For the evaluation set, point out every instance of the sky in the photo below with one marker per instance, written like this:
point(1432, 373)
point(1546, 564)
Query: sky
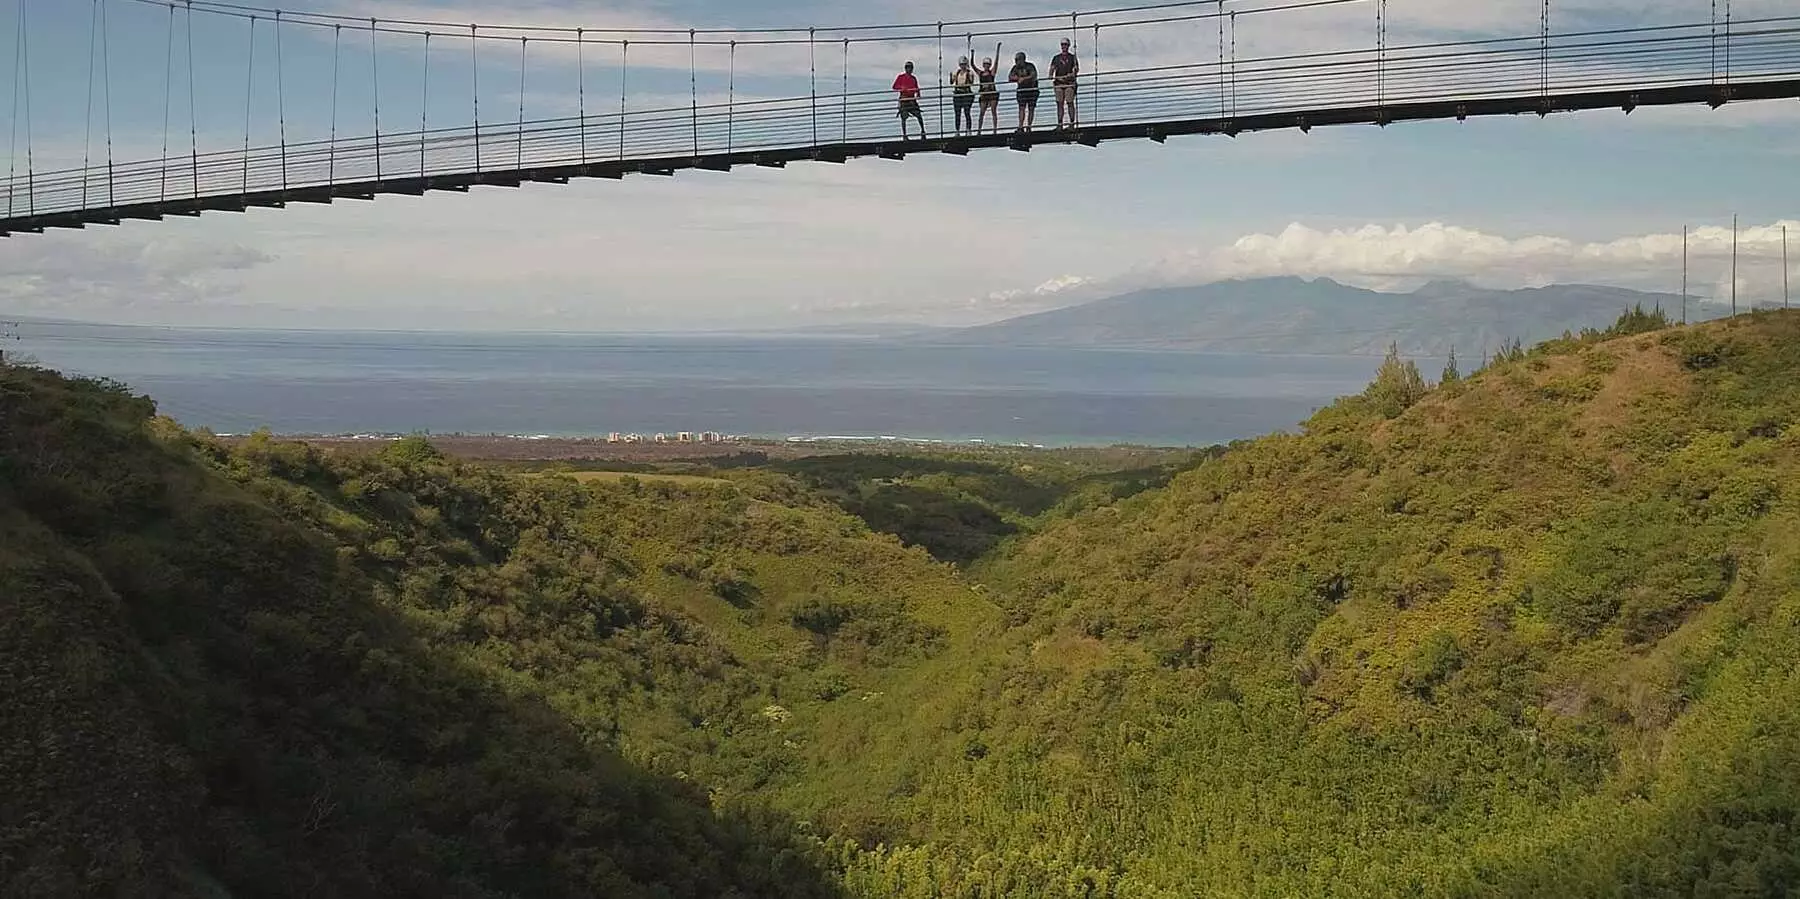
point(1594, 197)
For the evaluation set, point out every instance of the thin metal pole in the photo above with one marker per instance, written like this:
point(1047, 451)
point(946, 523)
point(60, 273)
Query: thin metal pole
point(693, 93)
point(844, 116)
point(193, 110)
point(1544, 50)
point(1381, 53)
point(1784, 269)
point(424, 103)
point(519, 147)
point(475, 90)
point(1095, 115)
point(581, 90)
point(106, 79)
point(1727, 41)
point(25, 81)
point(375, 95)
point(624, 73)
point(337, 34)
point(813, 61)
point(168, 91)
point(731, 99)
point(281, 102)
point(1221, 59)
point(12, 116)
point(1234, 16)
point(940, 79)
point(1734, 261)
point(249, 103)
point(87, 141)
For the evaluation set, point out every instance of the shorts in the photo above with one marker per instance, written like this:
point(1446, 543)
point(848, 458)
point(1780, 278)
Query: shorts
point(1028, 97)
point(964, 101)
point(1065, 93)
point(990, 101)
point(910, 107)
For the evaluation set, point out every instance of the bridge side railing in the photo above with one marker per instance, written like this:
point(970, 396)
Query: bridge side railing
point(1637, 58)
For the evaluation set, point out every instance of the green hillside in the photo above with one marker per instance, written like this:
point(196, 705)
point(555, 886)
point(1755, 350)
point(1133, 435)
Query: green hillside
point(1535, 631)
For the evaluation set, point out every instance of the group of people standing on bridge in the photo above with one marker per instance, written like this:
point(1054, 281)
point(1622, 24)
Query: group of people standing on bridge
point(969, 83)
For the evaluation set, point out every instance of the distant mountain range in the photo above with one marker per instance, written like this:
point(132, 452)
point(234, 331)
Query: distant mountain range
point(1296, 315)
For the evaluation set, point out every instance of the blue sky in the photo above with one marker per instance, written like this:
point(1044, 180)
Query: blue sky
point(1508, 202)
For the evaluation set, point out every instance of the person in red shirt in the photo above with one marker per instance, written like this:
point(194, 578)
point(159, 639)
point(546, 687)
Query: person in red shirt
point(908, 86)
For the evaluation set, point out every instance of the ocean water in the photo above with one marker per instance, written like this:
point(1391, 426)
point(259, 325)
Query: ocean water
point(321, 382)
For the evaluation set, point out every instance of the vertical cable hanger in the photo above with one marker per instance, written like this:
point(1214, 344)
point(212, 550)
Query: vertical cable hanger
point(249, 101)
point(281, 102)
point(940, 79)
point(581, 89)
point(1380, 54)
point(424, 103)
point(168, 85)
point(1544, 50)
point(87, 141)
point(1221, 16)
point(375, 94)
point(1234, 16)
point(1094, 117)
point(475, 91)
point(844, 115)
point(1727, 40)
point(519, 148)
point(624, 74)
point(693, 93)
point(813, 62)
point(193, 111)
point(731, 97)
point(106, 80)
point(12, 117)
point(22, 67)
point(337, 35)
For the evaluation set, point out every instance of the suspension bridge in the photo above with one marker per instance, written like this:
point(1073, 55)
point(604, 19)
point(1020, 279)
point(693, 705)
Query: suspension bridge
point(143, 109)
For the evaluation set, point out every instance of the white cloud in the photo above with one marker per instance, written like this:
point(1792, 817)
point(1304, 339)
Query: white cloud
point(1399, 256)
point(123, 279)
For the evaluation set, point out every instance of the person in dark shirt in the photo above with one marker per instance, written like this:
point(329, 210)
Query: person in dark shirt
point(908, 86)
point(1025, 76)
point(1063, 69)
point(990, 95)
point(962, 91)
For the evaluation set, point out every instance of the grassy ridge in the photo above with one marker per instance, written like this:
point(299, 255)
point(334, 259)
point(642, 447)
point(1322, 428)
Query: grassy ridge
point(1529, 632)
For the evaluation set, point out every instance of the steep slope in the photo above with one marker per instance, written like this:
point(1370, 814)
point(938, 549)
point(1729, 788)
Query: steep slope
point(1295, 315)
point(1531, 633)
point(268, 672)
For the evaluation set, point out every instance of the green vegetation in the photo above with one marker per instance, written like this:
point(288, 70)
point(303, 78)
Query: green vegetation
point(1533, 631)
